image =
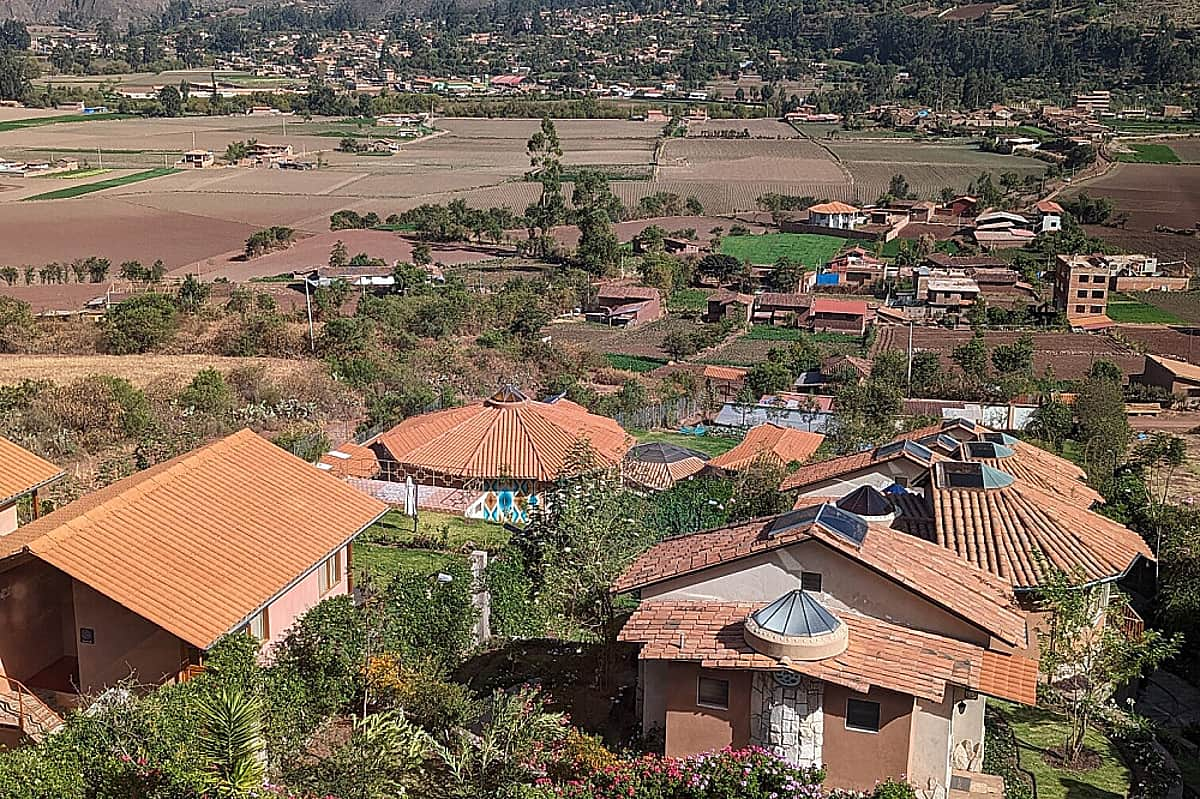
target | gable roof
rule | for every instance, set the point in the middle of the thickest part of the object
(854, 462)
(350, 460)
(878, 653)
(835, 207)
(921, 567)
(1182, 370)
(827, 305)
(22, 472)
(785, 444)
(200, 543)
(506, 435)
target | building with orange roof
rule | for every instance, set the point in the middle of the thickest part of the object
(781, 445)
(503, 450)
(835, 215)
(829, 640)
(22, 474)
(141, 577)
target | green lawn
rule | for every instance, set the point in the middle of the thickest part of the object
(1149, 154)
(810, 249)
(17, 124)
(773, 333)
(1037, 730)
(76, 174)
(101, 185)
(1034, 132)
(1123, 308)
(390, 545)
(688, 300)
(709, 445)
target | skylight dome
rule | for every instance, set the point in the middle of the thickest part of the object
(869, 504)
(985, 450)
(796, 627)
(972, 474)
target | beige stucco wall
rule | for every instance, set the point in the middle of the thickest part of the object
(845, 585)
(126, 644)
(36, 621)
(880, 476)
(691, 728)
(8, 518)
(857, 760)
(938, 729)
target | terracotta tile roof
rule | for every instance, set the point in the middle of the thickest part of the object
(776, 299)
(199, 543)
(350, 460)
(962, 589)
(1047, 471)
(826, 305)
(660, 475)
(1009, 677)
(1006, 531)
(878, 653)
(517, 438)
(731, 373)
(783, 443)
(834, 207)
(21, 471)
(841, 466)
(1090, 321)
(1181, 369)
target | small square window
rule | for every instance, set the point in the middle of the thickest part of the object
(1097, 309)
(258, 627)
(810, 581)
(1081, 293)
(1097, 295)
(711, 692)
(862, 716)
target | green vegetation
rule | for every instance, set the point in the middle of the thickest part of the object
(1039, 730)
(688, 300)
(17, 124)
(390, 546)
(377, 562)
(810, 249)
(75, 174)
(1034, 132)
(710, 445)
(1123, 308)
(633, 363)
(773, 333)
(1149, 154)
(101, 185)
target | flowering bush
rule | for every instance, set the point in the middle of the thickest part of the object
(752, 773)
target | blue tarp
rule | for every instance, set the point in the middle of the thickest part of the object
(827, 279)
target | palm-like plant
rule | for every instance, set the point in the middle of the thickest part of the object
(231, 743)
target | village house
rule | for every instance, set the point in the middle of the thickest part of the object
(623, 305)
(830, 639)
(1081, 290)
(946, 291)
(1001, 230)
(490, 459)
(1180, 378)
(728, 304)
(855, 268)
(139, 579)
(22, 474)
(656, 466)
(835, 215)
(828, 315)
(1049, 216)
(775, 308)
(196, 159)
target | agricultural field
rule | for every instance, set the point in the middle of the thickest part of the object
(640, 341)
(1149, 153)
(757, 128)
(748, 160)
(1067, 355)
(1181, 343)
(80, 189)
(1150, 195)
(1128, 309)
(141, 370)
(1184, 305)
(810, 249)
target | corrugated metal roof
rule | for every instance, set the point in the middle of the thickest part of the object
(199, 543)
(21, 471)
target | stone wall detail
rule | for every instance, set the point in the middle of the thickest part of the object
(787, 719)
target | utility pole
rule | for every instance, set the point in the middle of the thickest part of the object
(909, 370)
(312, 338)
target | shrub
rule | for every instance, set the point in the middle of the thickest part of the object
(208, 393)
(894, 789)
(17, 327)
(514, 612)
(140, 324)
(430, 701)
(306, 441)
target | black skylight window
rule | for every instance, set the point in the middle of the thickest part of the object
(829, 516)
(972, 474)
(987, 450)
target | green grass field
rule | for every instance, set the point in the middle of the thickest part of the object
(36, 122)
(773, 333)
(688, 300)
(1123, 308)
(810, 249)
(1149, 154)
(709, 445)
(633, 363)
(1037, 730)
(76, 174)
(100, 185)
(390, 545)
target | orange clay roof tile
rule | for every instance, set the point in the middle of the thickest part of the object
(199, 543)
(517, 438)
(971, 593)
(21, 471)
(783, 444)
(878, 652)
(350, 460)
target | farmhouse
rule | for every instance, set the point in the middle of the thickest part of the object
(143, 576)
(495, 455)
(196, 159)
(946, 291)
(829, 640)
(1001, 230)
(1180, 378)
(22, 474)
(828, 315)
(1081, 290)
(775, 308)
(835, 215)
(1049, 216)
(855, 268)
(725, 303)
(622, 305)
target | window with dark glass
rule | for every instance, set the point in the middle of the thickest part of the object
(810, 581)
(711, 692)
(862, 715)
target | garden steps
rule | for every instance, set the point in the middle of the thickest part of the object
(24, 710)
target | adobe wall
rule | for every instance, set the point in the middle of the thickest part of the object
(124, 644)
(36, 626)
